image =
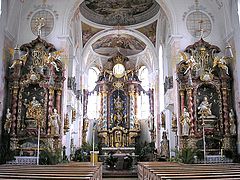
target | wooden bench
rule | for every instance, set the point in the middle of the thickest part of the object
(62, 171)
(168, 170)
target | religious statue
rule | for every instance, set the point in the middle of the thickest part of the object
(8, 123)
(163, 119)
(66, 123)
(55, 123)
(221, 63)
(185, 122)
(205, 108)
(118, 103)
(118, 139)
(39, 23)
(150, 122)
(21, 60)
(164, 145)
(136, 123)
(174, 122)
(233, 128)
(32, 107)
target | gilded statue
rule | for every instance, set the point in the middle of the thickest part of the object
(8, 123)
(233, 128)
(55, 123)
(33, 107)
(118, 138)
(205, 108)
(22, 60)
(185, 122)
(118, 104)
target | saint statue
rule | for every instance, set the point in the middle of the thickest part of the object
(164, 145)
(174, 122)
(185, 122)
(118, 103)
(33, 107)
(205, 108)
(55, 123)
(150, 122)
(163, 118)
(8, 123)
(233, 128)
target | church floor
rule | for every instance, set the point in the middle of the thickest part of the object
(120, 178)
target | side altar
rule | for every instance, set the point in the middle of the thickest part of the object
(118, 86)
(207, 119)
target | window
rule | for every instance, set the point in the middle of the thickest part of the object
(93, 98)
(143, 76)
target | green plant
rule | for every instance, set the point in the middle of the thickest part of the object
(111, 161)
(186, 155)
(6, 154)
(48, 157)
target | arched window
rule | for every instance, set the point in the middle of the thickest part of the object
(92, 78)
(93, 98)
(143, 99)
(144, 77)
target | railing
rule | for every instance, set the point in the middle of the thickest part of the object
(23, 160)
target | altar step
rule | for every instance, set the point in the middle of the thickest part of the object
(132, 173)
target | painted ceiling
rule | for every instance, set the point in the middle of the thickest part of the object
(119, 12)
(123, 43)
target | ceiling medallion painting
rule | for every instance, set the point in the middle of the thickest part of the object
(123, 43)
(119, 12)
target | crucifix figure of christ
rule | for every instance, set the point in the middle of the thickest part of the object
(39, 23)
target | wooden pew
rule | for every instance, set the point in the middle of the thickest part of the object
(168, 170)
(62, 171)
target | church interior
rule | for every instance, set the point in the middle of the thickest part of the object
(119, 82)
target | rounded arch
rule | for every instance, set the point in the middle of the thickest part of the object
(135, 33)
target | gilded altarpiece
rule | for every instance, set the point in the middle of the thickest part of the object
(35, 84)
(206, 108)
(118, 87)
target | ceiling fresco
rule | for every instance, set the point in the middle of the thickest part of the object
(123, 43)
(119, 12)
(87, 32)
(150, 31)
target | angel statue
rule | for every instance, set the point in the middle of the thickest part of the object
(191, 62)
(21, 60)
(221, 63)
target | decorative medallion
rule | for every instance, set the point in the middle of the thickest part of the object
(48, 22)
(197, 21)
(118, 84)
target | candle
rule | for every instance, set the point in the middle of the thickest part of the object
(221, 153)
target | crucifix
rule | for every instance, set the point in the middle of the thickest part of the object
(39, 23)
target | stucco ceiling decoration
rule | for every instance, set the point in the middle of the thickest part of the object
(87, 32)
(119, 12)
(114, 43)
(150, 31)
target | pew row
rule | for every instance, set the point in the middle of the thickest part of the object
(63, 171)
(169, 170)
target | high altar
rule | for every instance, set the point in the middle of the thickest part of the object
(118, 87)
(206, 104)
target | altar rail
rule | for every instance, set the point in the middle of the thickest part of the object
(22, 160)
(62, 171)
(169, 170)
